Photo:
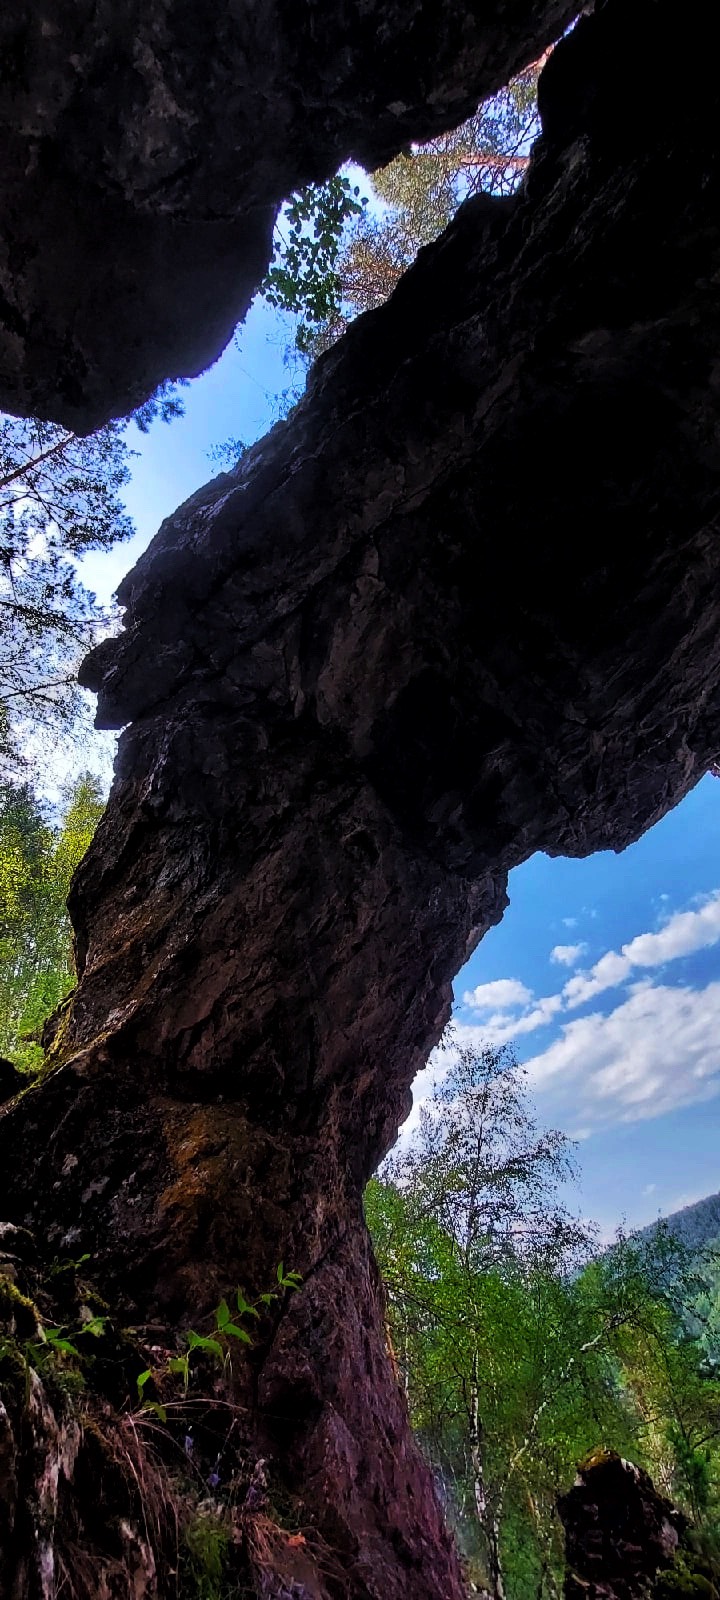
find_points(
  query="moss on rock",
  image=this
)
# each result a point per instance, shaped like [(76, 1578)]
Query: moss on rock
[(18, 1312)]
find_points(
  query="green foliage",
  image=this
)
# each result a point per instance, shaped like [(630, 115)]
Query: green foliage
[(60, 496), (219, 1344), (302, 277), (684, 1581), (154, 1406), (474, 1246), (519, 1351), (364, 252), (206, 1540), (37, 860), (667, 1384), (29, 1342), (54, 1342), (288, 1280), (68, 1265), (228, 453), (162, 406)]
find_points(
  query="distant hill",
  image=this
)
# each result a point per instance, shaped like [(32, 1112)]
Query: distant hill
[(695, 1226)]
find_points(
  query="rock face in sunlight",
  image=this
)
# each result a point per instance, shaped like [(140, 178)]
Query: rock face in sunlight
[(619, 1532), (460, 607), (146, 149)]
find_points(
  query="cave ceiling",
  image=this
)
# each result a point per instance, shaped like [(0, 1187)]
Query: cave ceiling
[(146, 149)]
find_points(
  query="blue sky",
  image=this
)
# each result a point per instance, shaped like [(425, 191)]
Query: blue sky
[(606, 973), (608, 969)]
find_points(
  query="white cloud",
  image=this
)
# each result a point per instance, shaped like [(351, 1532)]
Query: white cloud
[(498, 995), (542, 1012), (682, 934), (658, 1050), (501, 1027), (569, 922), (567, 954), (607, 973), (650, 1188)]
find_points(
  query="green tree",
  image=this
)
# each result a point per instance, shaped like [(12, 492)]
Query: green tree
[(472, 1238), (37, 860), (518, 1355), (342, 258), (665, 1349), (60, 496), (303, 276)]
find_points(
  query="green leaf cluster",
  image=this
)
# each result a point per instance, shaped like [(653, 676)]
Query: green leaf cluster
[(337, 260), (38, 857), (302, 277), (218, 1344), (60, 496)]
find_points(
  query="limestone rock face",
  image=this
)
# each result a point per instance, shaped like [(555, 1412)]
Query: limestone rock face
[(461, 606), (146, 148)]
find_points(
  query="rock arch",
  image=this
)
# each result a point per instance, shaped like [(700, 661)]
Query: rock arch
[(462, 605)]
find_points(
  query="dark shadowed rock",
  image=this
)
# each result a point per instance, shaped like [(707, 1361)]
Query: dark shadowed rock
[(619, 1532), (462, 606), (146, 148), (11, 1080)]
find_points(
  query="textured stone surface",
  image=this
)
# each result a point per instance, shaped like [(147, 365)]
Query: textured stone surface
[(461, 606), (80, 1509), (619, 1532), (146, 148)]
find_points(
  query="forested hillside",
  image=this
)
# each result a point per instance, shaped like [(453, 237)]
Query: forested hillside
[(695, 1226)]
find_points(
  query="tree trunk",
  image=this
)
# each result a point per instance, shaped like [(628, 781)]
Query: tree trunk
[(484, 1510), (36, 461), (543, 1533)]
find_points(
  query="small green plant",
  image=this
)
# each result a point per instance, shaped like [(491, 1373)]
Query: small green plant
[(35, 1345), (154, 1406), (180, 1365), (288, 1280), (205, 1556), (49, 1343), (95, 1326), (53, 1339), (58, 1341), (225, 1333), (68, 1265)]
